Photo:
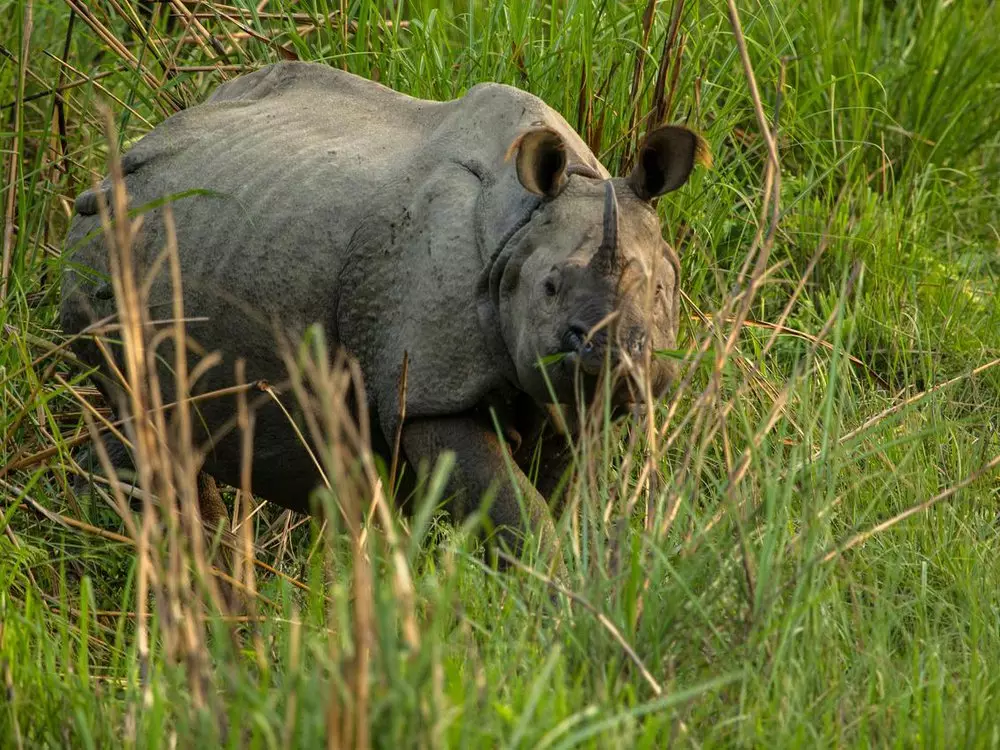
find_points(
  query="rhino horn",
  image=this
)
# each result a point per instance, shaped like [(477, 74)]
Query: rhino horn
[(607, 259)]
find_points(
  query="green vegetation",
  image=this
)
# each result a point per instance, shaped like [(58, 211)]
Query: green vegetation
[(771, 588)]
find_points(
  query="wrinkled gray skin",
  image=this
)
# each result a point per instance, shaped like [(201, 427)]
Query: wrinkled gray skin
[(477, 235)]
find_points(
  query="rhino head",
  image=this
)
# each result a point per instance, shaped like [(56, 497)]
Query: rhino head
[(589, 281)]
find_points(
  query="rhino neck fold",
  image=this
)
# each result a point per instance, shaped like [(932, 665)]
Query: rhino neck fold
[(506, 259)]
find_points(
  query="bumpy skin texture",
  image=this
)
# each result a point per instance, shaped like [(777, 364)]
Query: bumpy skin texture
[(400, 225)]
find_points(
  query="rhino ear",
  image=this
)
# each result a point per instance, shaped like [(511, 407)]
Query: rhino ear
[(540, 161), (666, 159)]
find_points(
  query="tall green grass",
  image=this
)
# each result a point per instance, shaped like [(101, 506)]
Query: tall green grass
[(770, 587)]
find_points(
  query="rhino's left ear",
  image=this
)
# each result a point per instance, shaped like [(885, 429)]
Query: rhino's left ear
[(541, 161), (666, 159)]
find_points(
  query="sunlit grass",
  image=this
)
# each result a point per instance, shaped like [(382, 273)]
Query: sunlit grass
[(769, 579)]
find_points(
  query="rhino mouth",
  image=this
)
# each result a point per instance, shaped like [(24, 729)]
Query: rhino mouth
[(573, 379)]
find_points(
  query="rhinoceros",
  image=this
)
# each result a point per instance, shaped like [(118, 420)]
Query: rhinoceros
[(478, 236)]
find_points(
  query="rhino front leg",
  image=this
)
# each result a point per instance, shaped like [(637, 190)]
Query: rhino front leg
[(481, 465), (548, 459)]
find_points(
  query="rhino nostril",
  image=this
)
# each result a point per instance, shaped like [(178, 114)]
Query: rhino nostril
[(636, 341), (575, 340)]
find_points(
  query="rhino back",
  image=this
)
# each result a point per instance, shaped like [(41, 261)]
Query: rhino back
[(288, 161)]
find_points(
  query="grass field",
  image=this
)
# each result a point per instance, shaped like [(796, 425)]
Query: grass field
[(811, 556)]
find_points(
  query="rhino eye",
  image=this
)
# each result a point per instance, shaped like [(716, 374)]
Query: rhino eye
[(551, 284)]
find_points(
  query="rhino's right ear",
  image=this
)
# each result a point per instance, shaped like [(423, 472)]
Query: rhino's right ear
[(541, 161), (666, 159)]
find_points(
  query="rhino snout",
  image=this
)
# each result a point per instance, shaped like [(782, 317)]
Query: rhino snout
[(575, 340), (589, 348), (585, 348)]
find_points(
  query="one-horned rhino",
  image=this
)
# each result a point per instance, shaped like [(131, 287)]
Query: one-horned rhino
[(478, 237)]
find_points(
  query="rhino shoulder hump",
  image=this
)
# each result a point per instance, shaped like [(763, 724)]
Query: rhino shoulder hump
[(500, 94), (290, 76)]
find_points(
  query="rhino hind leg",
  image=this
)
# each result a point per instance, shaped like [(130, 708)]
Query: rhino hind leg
[(547, 456), (214, 515), (211, 506)]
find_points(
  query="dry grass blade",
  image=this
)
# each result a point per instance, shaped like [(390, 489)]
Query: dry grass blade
[(916, 398), (640, 63), (119, 239), (60, 88), (777, 329), (165, 462), (330, 391), (861, 537), (208, 43), (298, 433), (394, 468), (68, 522), (168, 103), (402, 581), (119, 503), (707, 416), (601, 618), (14, 165), (243, 569), (760, 248), (738, 472), (225, 538), (662, 99), (52, 451), (772, 183)]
